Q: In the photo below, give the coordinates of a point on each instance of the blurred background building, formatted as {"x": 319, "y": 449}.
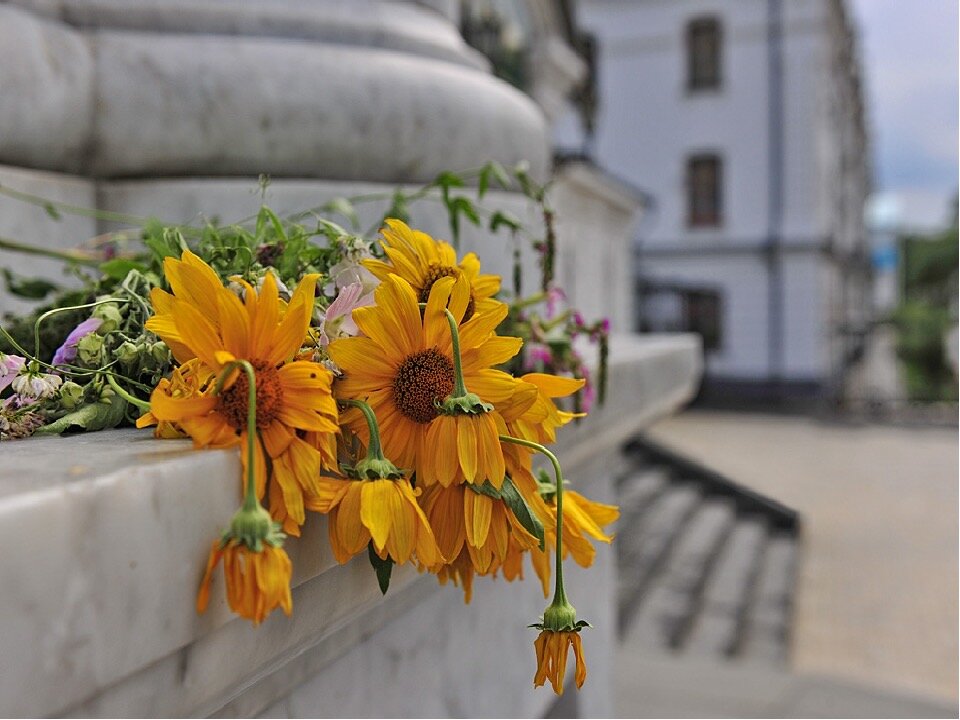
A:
{"x": 745, "y": 122}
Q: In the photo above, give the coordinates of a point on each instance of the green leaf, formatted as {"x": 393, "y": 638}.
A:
{"x": 32, "y": 288}
{"x": 52, "y": 211}
{"x": 486, "y": 488}
{"x": 383, "y": 568}
{"x": 500, "y": 173}
{"x": 528, "y": 519}
{"x": 118, "y": 268}
{"x": 100, "y": 415}
{"x": 504, "y": 217}
{"x": 343, "y": 207}
{"x": 463, "y": 205}
{"x": 448, "y": 180}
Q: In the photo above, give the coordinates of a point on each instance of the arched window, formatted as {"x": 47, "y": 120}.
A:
{"x": 703, "y": 54}
{"x": 704, "y": 190}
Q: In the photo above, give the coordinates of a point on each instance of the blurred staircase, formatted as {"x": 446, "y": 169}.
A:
{"x": 707, "y": 567}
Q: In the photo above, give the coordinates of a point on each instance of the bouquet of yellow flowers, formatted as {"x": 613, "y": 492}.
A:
{"x": 375, "y": 385}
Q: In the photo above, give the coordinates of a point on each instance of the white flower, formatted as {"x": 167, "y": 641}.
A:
{"x": 36, "y": 386}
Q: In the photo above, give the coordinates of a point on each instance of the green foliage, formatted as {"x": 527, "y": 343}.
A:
{"x": 927, "y": 313}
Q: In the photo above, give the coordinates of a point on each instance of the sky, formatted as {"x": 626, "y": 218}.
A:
{"x": 910, "y": 59}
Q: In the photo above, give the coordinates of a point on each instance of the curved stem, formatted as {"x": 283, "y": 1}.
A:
{"x": 374, "y": 449}
{"x": 136, "y": 402}
{"x": 559, "y": 594}
{"x": 459, "y": 389}
{"x": 54, "y": 311}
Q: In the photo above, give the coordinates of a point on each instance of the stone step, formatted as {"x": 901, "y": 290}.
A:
{"x": 645, "y": 543}
{"x": 637, "y": 489}
{"x": 729, "y": 591}
{"x": 767, "y": 633}
{"x": 667, "y": 610}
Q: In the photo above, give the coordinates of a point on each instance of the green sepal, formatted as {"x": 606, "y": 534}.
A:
{"x": 469, "y": 404}
{"x": 576, "y": 627}
{"x": 382, "y": 567}
{"x": 372, "y": 469}
{"x": 254, "y": 527}
{"x": 524, "y": 514}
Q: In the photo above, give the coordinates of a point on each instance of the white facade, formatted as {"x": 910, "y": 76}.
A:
{"x": 785, "y": 122}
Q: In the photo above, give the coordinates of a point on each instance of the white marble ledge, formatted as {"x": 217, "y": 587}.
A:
{"x": 105, "y": 537}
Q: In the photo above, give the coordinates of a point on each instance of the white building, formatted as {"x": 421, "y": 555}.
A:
{"x": 744, "y": 120}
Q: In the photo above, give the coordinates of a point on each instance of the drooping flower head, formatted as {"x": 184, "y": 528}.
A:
{"x": 421, "y": 261}
{"x": 552, "y": 648}
{"x": 257, "y": 582}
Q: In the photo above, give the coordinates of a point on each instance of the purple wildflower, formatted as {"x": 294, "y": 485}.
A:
{"x": 67, "y": 352}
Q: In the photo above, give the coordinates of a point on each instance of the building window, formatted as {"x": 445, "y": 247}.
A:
{"x": 703, "y": 54}
{"x": 704, "y": 191}
{"x": 677, "y": 308}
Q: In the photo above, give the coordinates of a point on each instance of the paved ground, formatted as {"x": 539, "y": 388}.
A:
{"x": 877, "y": 600}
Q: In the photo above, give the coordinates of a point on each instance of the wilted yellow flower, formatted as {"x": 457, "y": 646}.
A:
{"x": 552, "y": 648}
{"x": 257, "y": 582}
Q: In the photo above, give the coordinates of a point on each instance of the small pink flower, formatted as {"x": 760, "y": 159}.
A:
{"x": 338, "y": 319}
{"x": 554, "y": 297}
{"x": 538, "y": 356}
{"x": 10, "y": 367}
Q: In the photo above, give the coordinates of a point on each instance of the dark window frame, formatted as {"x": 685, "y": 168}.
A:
{"x": 704, "y": 190}
{"x": 704, "y": 53}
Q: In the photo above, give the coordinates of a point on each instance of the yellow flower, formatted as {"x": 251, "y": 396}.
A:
{"x": 293, "y": 396}
{"x": 384, "y": 511}
{"x": 552, "y": 648}
{"x": 257, "y": 582}
{"x": 484, "y": 527}
{"x": 421, "y": 261}
{"x": 404, "y": 366}
{"x": 186, "y": 381}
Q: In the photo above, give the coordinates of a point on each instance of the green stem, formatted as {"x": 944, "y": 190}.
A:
{"x": 559, "y": 594}
{"x": 71, "y": 370}
{"x": 459, "y": 388}
{"x": 51, "y": 313}
{"x": 374, "y": 449}
{"x": 73, "y": 256}
{"x": 105, "y": 215}
{"x": 136, "y": 402}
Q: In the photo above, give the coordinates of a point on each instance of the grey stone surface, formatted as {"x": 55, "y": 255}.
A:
{"x": 154, "y": 89}
{"x": 658, "y": 686}
{"x": 767, "y": 629}
{"x": 637, "y": 490}
{"x": 46, "y": 82}
{"x": 729, "y": 591}
{"x": 876, "y": 597}
{"x": 641, "y": 552}
{"x": 666, "y": 611}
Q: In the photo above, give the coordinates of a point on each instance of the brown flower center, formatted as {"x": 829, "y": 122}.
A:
{"x": 422, "y": 380}
{"x": 434, "y": 273}
{"x": 233, "y": 403}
